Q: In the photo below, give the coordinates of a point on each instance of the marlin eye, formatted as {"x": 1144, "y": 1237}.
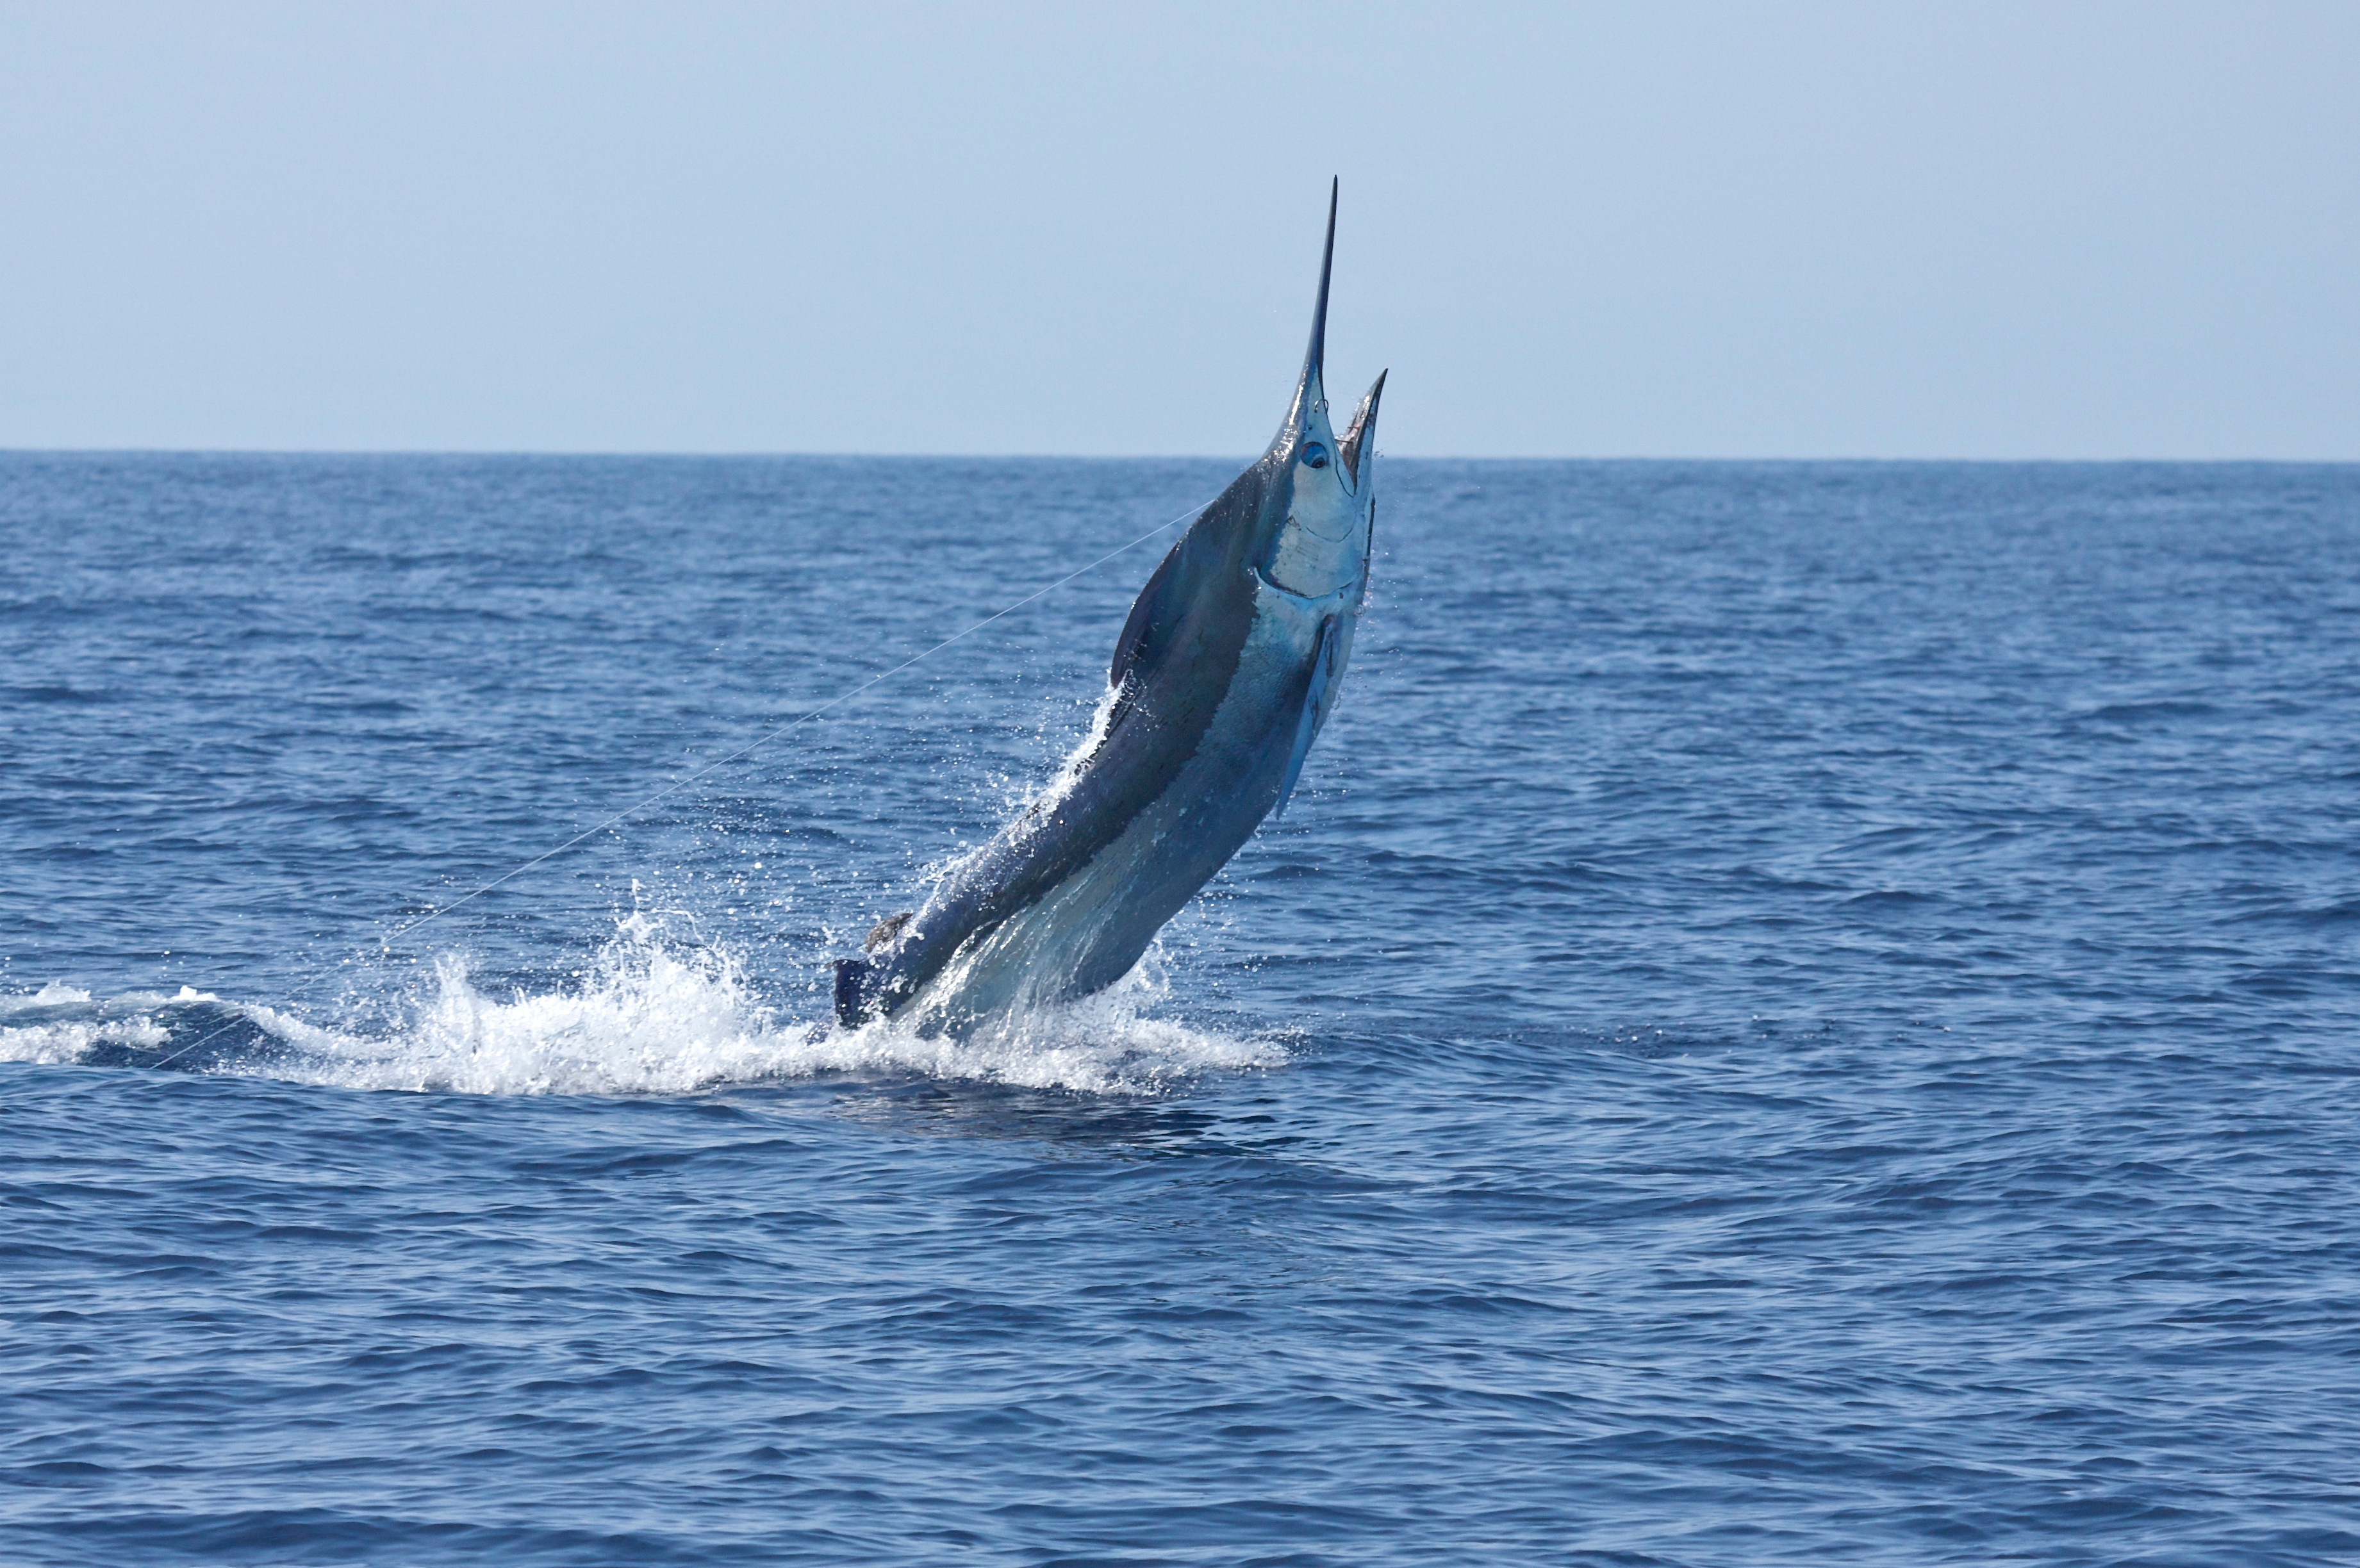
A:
{"x": 1315, "y": 455}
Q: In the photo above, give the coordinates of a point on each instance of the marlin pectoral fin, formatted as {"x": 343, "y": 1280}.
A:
{"x": 1139, "y": 633}
{"x": 1314, "y": 710}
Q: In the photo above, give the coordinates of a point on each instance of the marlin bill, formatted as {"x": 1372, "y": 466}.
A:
{"x": 1226, "y": 669}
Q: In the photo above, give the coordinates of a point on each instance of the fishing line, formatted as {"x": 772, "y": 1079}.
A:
{"x": 753, "y": 746}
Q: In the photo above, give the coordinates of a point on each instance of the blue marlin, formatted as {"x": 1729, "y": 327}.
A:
{"x": 1224, "y": 673}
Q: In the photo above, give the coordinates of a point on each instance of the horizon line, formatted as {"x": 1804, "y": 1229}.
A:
{"x": 691, "y": 454}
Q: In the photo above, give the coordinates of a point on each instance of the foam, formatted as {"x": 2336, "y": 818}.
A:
{"x": 62, "y": 1041}
{"x": 650, "y": 1016}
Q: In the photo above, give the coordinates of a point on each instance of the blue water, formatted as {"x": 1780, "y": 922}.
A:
{"x": 1805, "y": 1013}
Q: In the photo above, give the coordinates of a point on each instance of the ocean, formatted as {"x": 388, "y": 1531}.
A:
{"x": 1802, "y": 1013}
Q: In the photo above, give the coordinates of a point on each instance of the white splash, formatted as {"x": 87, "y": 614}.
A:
{"x": 56, "y": 1041}
{"x": 649, "y": 1017}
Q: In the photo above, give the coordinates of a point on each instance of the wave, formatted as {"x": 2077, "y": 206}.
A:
{"x": 648, "y": 1016}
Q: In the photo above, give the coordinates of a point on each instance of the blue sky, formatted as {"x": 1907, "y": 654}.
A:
{"x": 1679, "y": 230}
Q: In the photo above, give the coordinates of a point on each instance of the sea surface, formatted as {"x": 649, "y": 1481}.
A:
{"x": 1804, "y": 1013}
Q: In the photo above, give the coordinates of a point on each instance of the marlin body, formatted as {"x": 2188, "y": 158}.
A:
{"x": 1227, "y": 668}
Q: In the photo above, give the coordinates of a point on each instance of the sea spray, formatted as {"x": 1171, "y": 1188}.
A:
{"x": 651, "y": 1013}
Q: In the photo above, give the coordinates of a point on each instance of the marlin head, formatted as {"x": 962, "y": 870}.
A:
{"x": 1323, "y": 543}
